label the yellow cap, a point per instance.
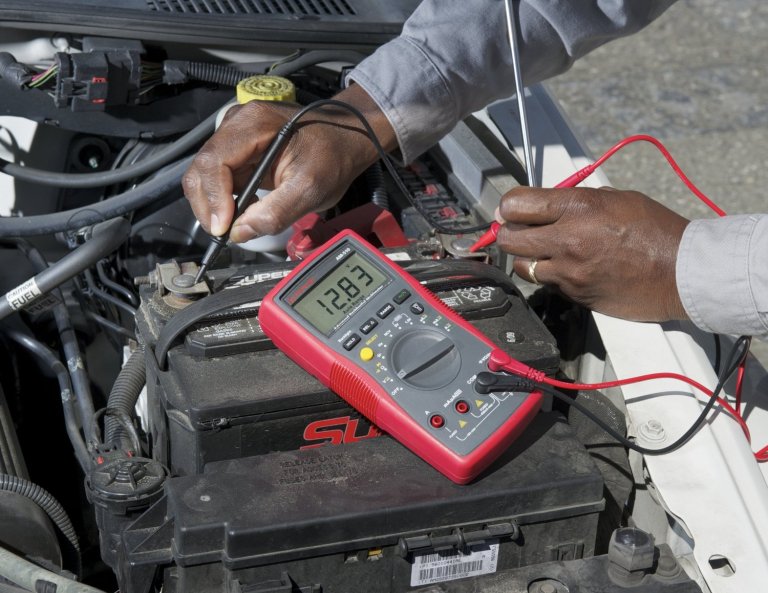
(366, 354)
(265, 88)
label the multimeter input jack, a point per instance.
(437, 421)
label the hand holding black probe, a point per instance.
(246, 197)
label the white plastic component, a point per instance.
(712, 483)
(267, 243)
(18, 133)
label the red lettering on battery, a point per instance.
(335, 431)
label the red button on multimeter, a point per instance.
(419, 365)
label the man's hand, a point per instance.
(611, 251)
(327, 151)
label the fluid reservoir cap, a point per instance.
(265, 88)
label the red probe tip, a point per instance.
(487, 237)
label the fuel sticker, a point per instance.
(449, 565)
(23, 294)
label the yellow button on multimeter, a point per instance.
(366, 354)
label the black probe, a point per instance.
(246, 198)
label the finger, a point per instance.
(526, 241)
(276, 211)
(535, 271)
(208, 187)
(534, 205)
(208, 183)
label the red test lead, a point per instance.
(490, 235)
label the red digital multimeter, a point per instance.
(395, 352)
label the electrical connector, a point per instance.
(105, 74)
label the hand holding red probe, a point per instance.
(612, 251)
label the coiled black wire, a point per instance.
(123, 396)
(49, 358)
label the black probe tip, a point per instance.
(200, 273)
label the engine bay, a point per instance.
(146, 452)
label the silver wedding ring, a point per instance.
(532, 270)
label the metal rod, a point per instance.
(512, 34)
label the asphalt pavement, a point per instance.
(697, 79)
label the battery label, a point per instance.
(449, 565)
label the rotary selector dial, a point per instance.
(425, 359)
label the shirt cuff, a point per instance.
(722, 274)
(413, 95)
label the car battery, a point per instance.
(367, 517)
(226, 392)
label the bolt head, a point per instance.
(653, 431)
(631, 549)
(184, 281)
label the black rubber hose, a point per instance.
(118, 205)
(161, 158)
(90, 282)
(45, 501)
(123, 397)
(81, 383)
(114, 286)
(49, 358)
(110, 325)
(106, 237)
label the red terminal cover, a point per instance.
(376, 225)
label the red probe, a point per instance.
(489, 236)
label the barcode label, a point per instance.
(449, 565)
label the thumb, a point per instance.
(277, 210)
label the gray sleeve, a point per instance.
(722, 274)
(453, 57)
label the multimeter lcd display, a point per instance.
(346, 286)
